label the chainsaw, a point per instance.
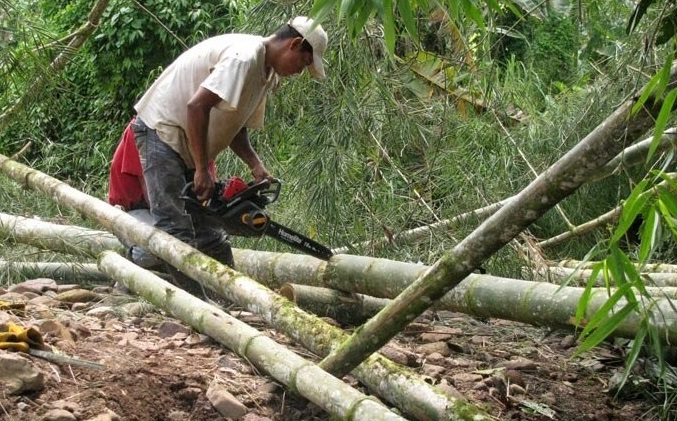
(238, 207)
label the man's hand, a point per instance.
(260, 173)
(203, 186)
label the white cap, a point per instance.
(317, 39)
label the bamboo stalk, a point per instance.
(548, 189)
(61, 271)
(649, 267)
(582, 276)
(296, 373)
(64, 238)
(535, 303)
(55, 270)
(347, 308)
(396, 384)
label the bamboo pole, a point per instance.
(535, 303)
(582, 276)
(64, 238)
(557, 182)
(347, 308)
(293, 371)
(396, 384)
(55, 270)
(649, 267)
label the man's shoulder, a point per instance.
(236, 45)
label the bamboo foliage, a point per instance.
(630, 156)
(296, 373)
(60, 61)
(395, 383)
(548, 189)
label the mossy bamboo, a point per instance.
(296, 373)
(557, 182)
(392, 382)
(347, 308)
(535, 303)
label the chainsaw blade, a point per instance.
(298, 241)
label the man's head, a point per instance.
(304, 47)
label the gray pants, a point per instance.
(166, 174)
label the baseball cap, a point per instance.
(317, 39)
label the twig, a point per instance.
(62, 359)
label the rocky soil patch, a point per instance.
(131, 361)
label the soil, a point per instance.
(156, 368)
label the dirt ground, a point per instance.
(155, 368)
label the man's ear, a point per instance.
(295, 43)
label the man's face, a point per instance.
(294, 59)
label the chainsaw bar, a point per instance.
(243, 215)
(298, 241)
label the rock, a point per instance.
(108, 416)
(19, 374)
(439, 347)
(467, 378)
(434, 337)
(133, 309)
(435, 358)
(198, 339)
(101, 312)
(567, 342)
(398, 356)
(58, 415)
(434, 371)
(521, 364)
(38, 286)
(66, 287)
(514, 377)
(168, 329)
(254, 417)
(178, 416)
(226, 404)
(13, 298)
(56, 329)
(78, 296)
(516, 389)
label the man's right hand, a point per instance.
(203, 186)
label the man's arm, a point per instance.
(199, 107)
(243, 149)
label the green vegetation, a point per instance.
(424, 116)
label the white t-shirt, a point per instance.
(233, 67)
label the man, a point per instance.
(202, 104)
(127, 190)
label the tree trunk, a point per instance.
(395, 383)
(296, 373)
(548, 189)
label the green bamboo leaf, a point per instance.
(407, 15)
(651, 233)
(667, 206)
(321, 9)
(602, 313)
(584, 301)
(363, 15)
(389, 26)
(473, 12)
(634, 352)
(646, 93)
(345, 8)
(662, 121)
(633, 206)
(604, 330)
